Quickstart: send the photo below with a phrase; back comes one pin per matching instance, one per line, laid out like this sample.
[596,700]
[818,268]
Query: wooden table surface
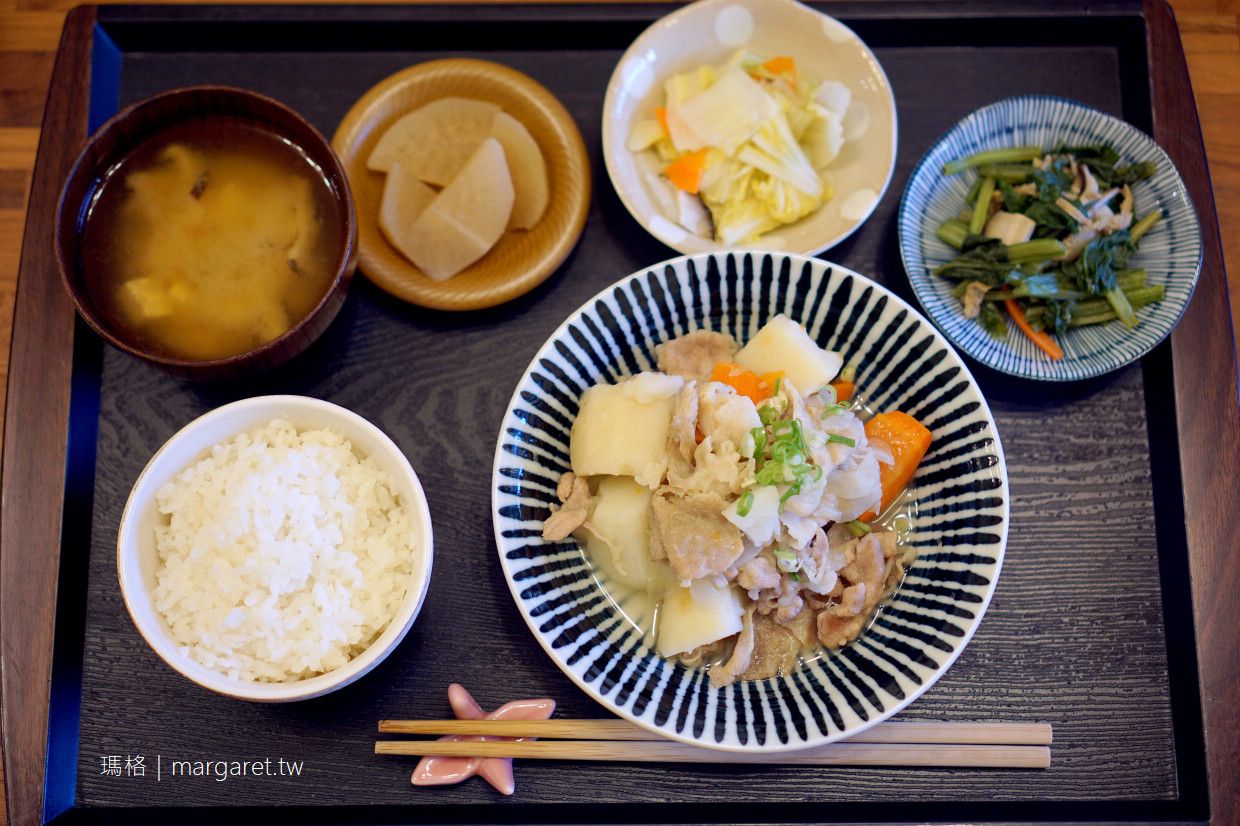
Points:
[30,32]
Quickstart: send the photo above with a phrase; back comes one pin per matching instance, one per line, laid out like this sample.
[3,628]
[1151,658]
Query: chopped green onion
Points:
[790,427]
[771,473]
[858,527]
[781,455]
[769,413]
[835,409]
[842,440]
[745,503]
[796,577]
[785,452]
[786,560]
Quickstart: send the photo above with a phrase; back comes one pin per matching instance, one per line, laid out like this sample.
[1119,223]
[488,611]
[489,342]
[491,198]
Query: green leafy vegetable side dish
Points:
[1044,239]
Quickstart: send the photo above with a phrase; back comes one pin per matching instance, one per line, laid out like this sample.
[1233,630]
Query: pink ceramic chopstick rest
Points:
[439,771]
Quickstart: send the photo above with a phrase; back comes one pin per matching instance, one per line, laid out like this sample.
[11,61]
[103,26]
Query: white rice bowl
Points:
[275,549]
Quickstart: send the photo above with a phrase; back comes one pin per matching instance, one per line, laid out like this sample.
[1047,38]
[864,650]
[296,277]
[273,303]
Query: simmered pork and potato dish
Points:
[740,489]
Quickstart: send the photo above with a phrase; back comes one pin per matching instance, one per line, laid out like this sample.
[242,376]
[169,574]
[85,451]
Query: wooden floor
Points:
[30,31]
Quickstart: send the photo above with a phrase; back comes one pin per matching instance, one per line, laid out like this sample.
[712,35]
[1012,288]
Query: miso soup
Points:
[210,240]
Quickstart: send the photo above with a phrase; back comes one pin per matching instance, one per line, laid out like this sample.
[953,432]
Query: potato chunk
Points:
[621,429]
[617,532]
[782,344]
[698,615]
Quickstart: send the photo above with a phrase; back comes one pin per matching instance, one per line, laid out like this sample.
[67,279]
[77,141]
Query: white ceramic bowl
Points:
[137,561]
[957,516]
[709,31]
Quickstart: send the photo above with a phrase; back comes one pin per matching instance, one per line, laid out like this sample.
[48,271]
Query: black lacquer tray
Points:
[1090,628]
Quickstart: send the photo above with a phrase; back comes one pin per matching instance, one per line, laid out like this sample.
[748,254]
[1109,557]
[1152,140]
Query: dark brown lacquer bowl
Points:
[110,151]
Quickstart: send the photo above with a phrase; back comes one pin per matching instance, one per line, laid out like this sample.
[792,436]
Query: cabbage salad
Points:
[738,150]
[754,514]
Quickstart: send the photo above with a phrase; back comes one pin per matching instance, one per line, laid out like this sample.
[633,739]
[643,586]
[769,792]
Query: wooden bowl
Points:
[521,260]
[117,140]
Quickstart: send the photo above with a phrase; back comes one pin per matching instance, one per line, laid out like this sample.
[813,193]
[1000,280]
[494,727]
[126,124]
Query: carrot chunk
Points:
[744,381]
[780,65]
[770,381]
[686,171]
[909,440]
[843,390]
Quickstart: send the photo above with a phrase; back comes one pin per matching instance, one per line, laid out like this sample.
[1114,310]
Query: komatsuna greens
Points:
[1044,239]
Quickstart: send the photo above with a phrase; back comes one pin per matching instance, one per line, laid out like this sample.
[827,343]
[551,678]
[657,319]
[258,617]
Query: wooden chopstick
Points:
[910,731]
[904,743]
[667,751]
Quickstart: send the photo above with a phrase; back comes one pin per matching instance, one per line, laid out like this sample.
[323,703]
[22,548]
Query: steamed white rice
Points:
[284,554]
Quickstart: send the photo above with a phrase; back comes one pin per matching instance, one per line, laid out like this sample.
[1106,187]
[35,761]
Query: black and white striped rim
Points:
[959,506]
[1171,252]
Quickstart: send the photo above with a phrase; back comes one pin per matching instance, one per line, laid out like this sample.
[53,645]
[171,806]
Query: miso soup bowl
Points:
[145,121]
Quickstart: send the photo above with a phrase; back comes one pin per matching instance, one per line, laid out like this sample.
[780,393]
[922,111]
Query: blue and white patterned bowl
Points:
[1170,252]
[958,512]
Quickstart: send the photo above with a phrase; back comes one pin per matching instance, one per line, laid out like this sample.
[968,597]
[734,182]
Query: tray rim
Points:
[35,509]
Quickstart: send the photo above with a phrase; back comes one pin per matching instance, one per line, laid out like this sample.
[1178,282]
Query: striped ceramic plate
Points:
[958,511]
[1170,252]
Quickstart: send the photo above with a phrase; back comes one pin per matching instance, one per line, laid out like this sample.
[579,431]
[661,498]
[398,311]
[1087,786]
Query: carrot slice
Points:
[1042,339]
[843,390]
[780,65]
[686,171]
[909,440]
[745,381]
[660,112]
[771,381]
